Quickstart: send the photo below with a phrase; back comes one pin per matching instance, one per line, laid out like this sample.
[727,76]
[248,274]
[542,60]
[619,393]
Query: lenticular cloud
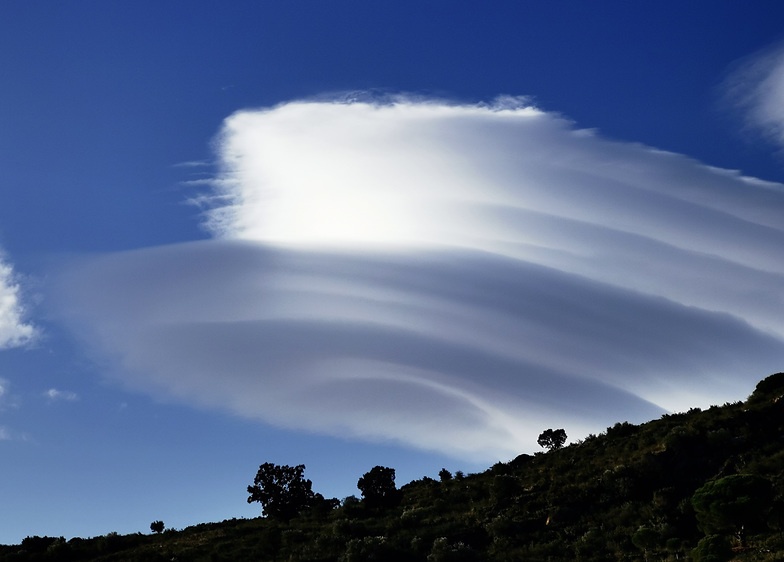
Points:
[454,278]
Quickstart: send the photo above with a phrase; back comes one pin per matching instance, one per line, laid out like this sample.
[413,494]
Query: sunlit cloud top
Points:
[511,181]
[308,185]
[451,277]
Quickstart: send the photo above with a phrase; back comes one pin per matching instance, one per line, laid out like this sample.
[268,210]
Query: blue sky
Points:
[345,234]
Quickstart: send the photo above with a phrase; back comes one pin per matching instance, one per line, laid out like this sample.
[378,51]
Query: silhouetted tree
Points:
[444,475]
[378,487]
[552,439]
[770,387]
[282,491]
[156,527]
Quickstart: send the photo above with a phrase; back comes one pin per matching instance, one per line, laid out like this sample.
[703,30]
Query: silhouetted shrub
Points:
[443,551]
[769,388]
[370,548]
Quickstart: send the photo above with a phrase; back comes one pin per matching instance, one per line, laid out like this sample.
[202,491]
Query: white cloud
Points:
[455,278]
[54,394]
[757,86]
[14,332]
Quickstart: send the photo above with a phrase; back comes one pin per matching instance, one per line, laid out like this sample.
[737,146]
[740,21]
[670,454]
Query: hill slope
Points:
[623,495]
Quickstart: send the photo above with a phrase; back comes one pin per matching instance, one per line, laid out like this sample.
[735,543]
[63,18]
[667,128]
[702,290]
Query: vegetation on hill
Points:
[701,485]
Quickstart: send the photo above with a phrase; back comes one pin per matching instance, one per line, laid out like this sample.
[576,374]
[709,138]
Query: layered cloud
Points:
[451,277]
[14,331]
[757,86]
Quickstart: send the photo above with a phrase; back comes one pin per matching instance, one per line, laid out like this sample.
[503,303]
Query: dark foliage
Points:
[282,491]
[378,487]
[771,387]
[712,548]
[156,527]
[734,504]
[552,439]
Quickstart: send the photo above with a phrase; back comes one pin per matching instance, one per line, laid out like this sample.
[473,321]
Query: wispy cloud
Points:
[67,395]
[14,331]
[8,434]
[455,278]
[4,396]
[193,164]
[7,401]
[757,87]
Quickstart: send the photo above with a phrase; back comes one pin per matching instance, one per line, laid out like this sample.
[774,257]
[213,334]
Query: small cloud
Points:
[756,87]
[14,331]
[201,181]
[54,394]
[193,164]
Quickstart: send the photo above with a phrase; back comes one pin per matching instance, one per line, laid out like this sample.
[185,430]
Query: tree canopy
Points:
[733,503]
[552,439]
[769,387]
[282,491]
[378,487]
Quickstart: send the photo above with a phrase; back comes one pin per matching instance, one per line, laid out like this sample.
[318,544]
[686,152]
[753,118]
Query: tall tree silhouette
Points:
[378,487]
[282,491]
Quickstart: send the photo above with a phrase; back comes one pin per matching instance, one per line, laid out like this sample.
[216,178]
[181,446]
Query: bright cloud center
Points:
[354,174]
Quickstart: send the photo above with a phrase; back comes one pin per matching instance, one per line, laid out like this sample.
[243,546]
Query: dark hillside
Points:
[700,485]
